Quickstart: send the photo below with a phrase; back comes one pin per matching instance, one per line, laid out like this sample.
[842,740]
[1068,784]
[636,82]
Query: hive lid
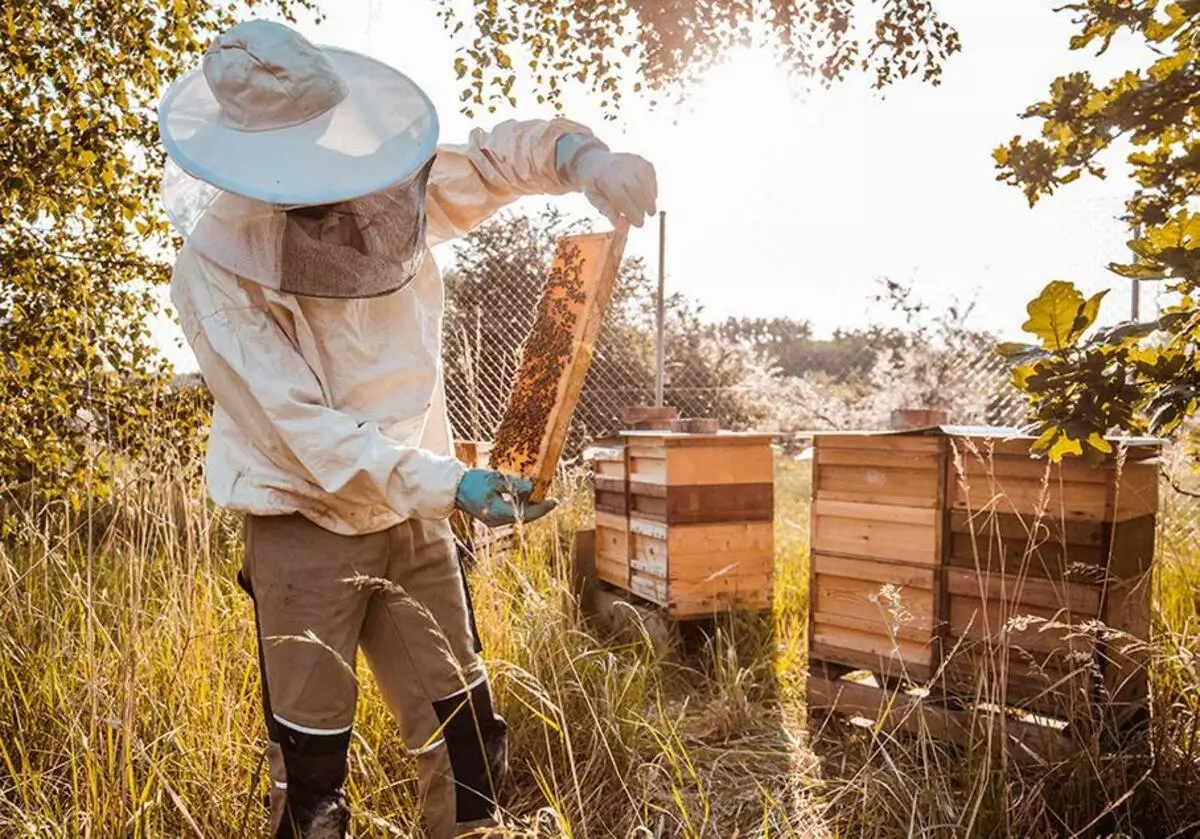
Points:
[981,432]
[684,438]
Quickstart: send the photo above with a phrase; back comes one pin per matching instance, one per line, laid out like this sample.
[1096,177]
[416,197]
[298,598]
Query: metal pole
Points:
[660,325]
[1135,302]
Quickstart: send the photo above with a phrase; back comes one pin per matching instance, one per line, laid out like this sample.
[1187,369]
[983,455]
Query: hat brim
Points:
[381,133]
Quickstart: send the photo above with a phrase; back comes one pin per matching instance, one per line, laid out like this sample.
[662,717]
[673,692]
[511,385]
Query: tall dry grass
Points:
[130,704]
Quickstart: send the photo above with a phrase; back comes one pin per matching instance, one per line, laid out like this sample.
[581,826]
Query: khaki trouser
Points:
[399,595]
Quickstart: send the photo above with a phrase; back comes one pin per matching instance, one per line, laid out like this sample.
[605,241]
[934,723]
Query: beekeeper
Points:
[308,186]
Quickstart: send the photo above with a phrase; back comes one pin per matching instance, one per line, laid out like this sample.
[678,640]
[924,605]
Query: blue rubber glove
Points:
[497,499]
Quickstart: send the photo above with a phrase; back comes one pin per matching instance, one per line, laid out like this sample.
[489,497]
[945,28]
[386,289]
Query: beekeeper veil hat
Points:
[270,125]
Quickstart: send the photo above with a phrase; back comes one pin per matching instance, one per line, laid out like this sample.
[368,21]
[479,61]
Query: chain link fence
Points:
[765,374]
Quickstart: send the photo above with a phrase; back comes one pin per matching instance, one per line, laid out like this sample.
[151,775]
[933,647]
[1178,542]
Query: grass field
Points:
[130,704]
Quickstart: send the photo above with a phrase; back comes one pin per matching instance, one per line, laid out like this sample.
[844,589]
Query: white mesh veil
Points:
[305,253]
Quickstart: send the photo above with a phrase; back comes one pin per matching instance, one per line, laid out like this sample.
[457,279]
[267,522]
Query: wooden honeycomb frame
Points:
[556,356]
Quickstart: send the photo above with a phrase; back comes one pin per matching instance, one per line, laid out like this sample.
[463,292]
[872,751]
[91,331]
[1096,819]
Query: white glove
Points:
[617,184]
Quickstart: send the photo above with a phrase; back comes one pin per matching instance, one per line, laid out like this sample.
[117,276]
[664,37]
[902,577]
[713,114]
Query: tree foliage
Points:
[1084,382]
[662,46]
[81,237]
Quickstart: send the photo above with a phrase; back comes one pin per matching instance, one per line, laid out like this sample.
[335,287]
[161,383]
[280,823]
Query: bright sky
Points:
[780,205]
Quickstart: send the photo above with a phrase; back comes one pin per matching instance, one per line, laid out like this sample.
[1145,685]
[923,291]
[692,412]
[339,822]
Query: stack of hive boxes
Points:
[686,520]
[951,552]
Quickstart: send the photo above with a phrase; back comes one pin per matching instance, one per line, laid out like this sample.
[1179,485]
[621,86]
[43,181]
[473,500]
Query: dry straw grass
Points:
[130,704]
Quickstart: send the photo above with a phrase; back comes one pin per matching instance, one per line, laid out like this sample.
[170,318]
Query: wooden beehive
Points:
[686,520]
[953,552]
[876,537]
[556,357]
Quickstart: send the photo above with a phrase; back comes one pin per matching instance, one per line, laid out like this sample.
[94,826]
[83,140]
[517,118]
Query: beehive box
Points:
[876,538]
[686,520]
[952,551]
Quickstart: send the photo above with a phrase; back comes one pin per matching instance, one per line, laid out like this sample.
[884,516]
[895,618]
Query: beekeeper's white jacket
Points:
[336,409]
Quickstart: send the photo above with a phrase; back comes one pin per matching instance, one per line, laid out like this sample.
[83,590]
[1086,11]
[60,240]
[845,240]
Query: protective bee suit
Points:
[308,185]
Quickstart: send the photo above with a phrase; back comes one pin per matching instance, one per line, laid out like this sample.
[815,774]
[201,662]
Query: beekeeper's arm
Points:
[469,183]
[260,379]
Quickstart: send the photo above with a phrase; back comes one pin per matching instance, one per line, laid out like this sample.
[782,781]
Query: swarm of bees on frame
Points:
[545,357]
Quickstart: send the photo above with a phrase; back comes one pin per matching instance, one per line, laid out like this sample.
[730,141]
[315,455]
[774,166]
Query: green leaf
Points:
[1138,271]
[1087,313]
[1122,332]
[1020,377]
[1063,447]
[1014,351]
[1053,315]
[1099,443]
[1047,438]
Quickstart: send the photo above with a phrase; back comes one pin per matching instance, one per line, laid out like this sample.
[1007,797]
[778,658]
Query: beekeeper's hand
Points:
[497,499]
[617,184]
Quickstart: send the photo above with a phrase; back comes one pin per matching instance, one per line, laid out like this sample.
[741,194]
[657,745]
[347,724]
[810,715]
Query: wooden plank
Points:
[1082,601]
[878,442]
[681,505]
[870,651]
[1126,608]
[1044,683]
[700,568]
[814,532]
[648,565]
[690,467]
[648,554]
[900,711]
[612,542]
[1009,625]
[648,470]
[866,485]
[611,502]
[645,527]
[1135,492]
[984,466]
[877,459]
[1012,526]
[647,507]
[556,356]
[1021,446]
[909,633]
[735,537]
[920,516]
[717,439]
[651,449]
[877,539]
[720,503]
[737,586]
[897,574]
[610,483]
[1030,498]
[862,599]
[614,469]
[707,606]
[615,573]
[990,554]
[611,521]
[648,586]
[648,489]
